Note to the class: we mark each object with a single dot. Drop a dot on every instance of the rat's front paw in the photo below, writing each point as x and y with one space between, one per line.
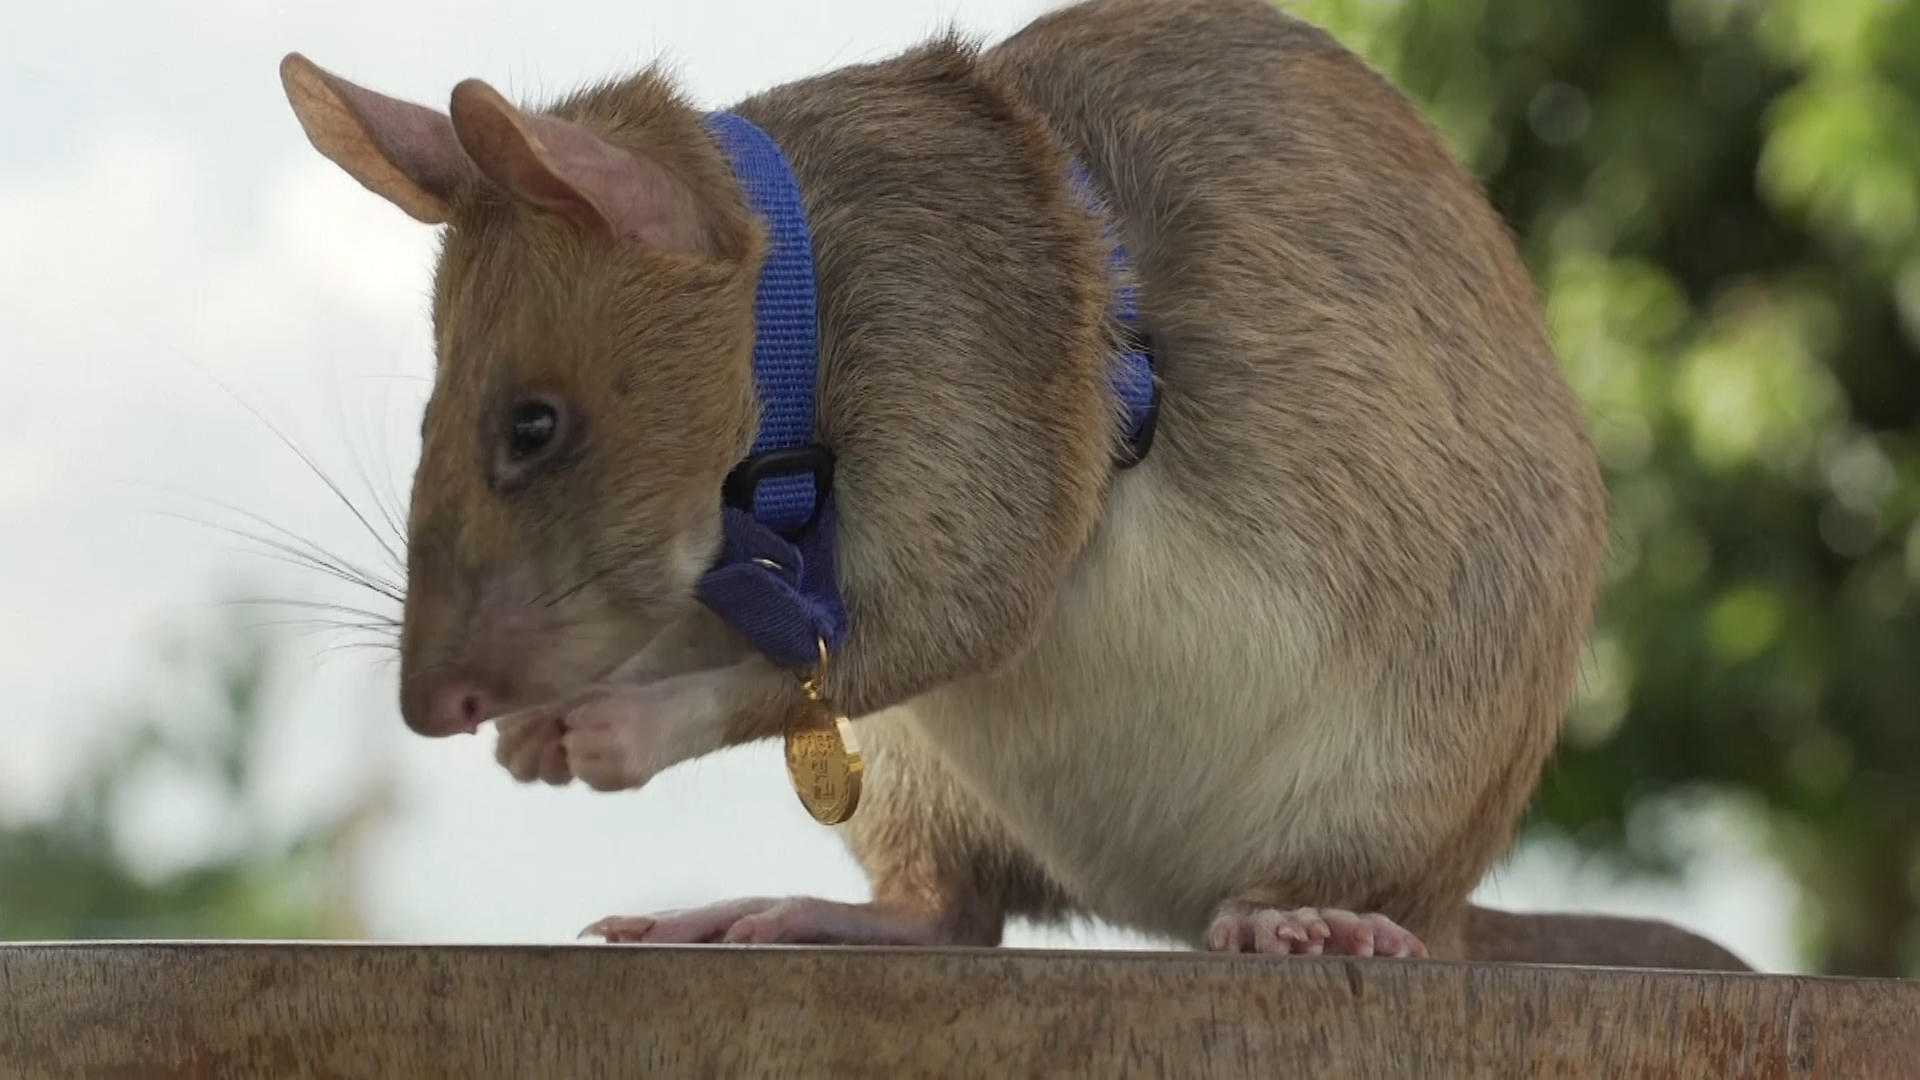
531 746
612 737
602 738
762 921
1243 926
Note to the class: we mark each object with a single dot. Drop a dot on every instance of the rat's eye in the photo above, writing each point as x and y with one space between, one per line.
533 427
536 435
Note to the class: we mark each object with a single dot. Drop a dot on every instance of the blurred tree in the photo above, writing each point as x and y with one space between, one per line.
1721 203
70 874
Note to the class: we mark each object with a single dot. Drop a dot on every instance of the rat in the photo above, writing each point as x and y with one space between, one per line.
1146 419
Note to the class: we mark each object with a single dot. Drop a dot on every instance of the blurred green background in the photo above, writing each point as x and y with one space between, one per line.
1720 200
73 874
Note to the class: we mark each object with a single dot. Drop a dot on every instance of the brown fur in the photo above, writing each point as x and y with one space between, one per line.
1314 651
523 302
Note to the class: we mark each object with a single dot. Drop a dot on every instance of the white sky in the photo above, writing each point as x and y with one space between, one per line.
163 220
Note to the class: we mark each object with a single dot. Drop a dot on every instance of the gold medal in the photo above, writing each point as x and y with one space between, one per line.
823 760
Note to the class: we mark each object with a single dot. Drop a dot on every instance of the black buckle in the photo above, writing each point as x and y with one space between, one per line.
1134 447
743 483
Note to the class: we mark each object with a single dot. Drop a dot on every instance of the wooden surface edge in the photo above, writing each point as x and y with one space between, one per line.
346 1008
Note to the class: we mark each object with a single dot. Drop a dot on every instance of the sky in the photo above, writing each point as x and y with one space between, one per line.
182 275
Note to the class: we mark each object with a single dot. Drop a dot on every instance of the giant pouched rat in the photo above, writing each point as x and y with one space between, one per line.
1260 646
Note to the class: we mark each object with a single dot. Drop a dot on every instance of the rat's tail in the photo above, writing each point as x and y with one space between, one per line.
1593 940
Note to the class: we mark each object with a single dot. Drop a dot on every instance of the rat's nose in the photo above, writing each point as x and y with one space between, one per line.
447 705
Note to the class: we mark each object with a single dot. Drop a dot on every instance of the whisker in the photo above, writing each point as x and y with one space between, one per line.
294 556
394 497
388 514
375 625
309 549
590 579
316 605
349 579
368 646
306 628
312 466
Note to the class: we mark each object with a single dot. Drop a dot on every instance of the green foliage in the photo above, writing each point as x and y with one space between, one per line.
1721 203
69 875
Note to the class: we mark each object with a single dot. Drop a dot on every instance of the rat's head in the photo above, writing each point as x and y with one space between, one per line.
593 330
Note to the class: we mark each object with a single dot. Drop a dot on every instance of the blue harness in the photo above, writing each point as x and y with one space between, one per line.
774 580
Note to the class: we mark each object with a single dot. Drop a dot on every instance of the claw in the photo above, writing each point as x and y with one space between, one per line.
1242 926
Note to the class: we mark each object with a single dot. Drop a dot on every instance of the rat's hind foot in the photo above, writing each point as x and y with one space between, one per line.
793 921
1244 926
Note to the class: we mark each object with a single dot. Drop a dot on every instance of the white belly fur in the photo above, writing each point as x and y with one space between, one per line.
1173 735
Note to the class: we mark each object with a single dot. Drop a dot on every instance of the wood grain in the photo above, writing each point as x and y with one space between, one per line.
285 1010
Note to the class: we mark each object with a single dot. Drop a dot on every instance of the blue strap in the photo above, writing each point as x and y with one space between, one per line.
774 580
777 593
1133 375
786 342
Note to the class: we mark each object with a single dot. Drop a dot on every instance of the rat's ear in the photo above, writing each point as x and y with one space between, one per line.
403 152
561 167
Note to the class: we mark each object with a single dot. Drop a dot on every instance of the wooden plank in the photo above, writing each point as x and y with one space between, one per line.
179 1009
